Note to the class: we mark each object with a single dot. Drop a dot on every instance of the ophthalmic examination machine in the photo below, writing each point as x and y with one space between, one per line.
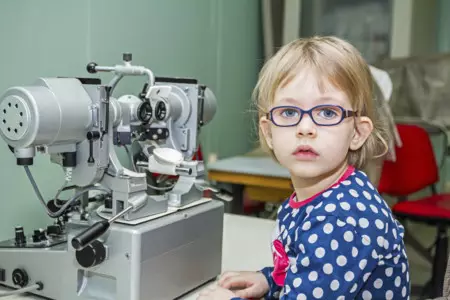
148 231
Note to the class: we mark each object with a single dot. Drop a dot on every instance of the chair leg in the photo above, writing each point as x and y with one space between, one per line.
418 247
440 262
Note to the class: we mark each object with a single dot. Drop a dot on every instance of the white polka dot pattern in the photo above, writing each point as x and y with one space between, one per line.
344 244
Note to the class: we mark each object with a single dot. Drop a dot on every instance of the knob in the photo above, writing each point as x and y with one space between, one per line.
91 67
54 229
20 236
39 235
36 236
127 56
91 255
20 277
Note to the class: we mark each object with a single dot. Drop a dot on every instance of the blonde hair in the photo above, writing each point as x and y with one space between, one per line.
334 61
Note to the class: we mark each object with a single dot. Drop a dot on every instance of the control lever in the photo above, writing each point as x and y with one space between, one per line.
91 137
92 233
221 194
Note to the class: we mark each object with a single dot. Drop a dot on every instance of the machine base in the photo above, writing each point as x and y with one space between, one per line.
161 259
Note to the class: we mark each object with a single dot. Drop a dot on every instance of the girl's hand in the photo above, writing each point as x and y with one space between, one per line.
216 293
246 285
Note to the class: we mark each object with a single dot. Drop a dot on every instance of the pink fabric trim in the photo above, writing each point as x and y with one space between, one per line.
297 204
280 263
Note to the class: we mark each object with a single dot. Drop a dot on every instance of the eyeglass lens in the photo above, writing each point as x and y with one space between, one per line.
322 115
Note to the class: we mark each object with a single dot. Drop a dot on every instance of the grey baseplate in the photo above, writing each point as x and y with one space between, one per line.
161 259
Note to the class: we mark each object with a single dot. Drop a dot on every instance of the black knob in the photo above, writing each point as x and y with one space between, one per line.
92 255
127 56
39 236
20 277
91 67
36 236
54 230
20 236
24 161
93 135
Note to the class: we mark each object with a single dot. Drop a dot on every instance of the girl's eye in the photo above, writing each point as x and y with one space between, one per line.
327 113
289 113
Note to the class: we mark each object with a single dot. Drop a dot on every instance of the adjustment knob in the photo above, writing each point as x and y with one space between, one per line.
39 236
91 67
20 236
20 277
91 255
53 229
127 56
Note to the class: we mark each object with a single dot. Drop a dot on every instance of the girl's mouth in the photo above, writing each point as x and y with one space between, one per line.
305 153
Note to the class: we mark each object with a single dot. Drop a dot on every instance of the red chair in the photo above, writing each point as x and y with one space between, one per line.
414 170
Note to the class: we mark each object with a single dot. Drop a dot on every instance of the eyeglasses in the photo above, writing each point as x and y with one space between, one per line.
321 115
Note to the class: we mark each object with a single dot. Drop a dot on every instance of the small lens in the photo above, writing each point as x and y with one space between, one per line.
327 115
285 116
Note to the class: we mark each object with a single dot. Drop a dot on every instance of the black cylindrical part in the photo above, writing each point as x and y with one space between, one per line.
91 255
20 236
93 135
69 159
89 235
25 161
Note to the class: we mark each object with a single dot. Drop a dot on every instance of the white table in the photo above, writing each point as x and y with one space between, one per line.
251 165
245 247
262 178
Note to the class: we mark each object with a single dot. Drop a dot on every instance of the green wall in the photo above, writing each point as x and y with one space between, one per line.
218 42
443 20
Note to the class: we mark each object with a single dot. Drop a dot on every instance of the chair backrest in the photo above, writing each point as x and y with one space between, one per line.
415 167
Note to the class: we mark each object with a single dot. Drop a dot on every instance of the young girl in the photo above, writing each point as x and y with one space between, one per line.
335 237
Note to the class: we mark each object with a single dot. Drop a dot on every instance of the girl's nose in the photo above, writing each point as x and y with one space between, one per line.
306 127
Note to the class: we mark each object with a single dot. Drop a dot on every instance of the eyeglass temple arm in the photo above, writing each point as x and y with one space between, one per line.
351 113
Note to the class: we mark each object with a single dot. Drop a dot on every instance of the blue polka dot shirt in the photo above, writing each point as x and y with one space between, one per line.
343 243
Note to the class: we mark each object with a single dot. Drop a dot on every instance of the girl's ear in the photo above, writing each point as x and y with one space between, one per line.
264 126
364 127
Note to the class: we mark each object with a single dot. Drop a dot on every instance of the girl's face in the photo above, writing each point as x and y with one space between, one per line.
308 149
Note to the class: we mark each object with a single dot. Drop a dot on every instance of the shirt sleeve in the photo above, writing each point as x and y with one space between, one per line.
274 289
333 261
